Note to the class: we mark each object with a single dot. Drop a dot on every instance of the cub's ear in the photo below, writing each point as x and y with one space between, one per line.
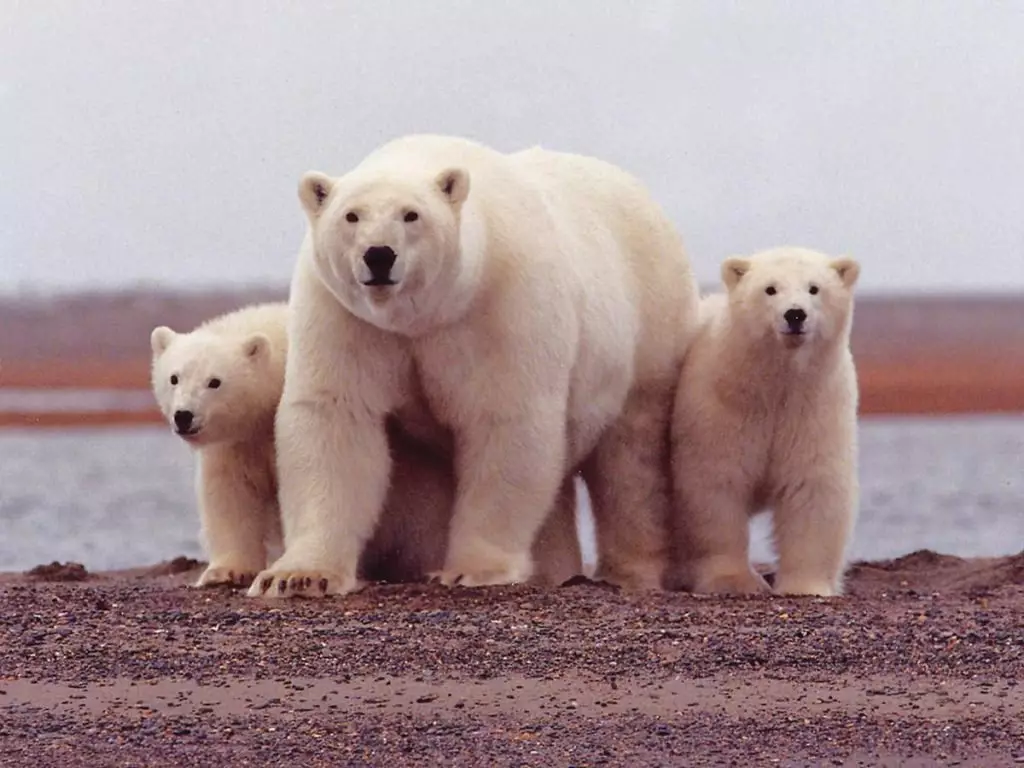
256 346
848 270
454 185
733 269
160 339
313 191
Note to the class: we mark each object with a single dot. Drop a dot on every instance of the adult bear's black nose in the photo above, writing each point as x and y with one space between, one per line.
379 259
795 319
183 420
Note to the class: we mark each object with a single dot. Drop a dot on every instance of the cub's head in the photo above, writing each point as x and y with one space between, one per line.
381 236
212 388
794 295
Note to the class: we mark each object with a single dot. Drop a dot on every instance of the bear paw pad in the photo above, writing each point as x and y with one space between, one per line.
278 584
460 578
226 575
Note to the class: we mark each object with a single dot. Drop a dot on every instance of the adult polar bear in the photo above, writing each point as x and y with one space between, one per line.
528 312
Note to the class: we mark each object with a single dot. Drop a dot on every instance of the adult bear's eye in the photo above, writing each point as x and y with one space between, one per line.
770 290
814 290
411 216
213 383
351 217
174 379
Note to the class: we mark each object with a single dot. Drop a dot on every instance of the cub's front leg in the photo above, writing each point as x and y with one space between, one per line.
812 525
231 512
814 515
715 467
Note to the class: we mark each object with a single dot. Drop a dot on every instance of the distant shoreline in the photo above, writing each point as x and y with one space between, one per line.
952 385
916 354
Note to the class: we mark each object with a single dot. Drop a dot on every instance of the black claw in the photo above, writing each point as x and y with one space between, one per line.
307 582
266 583
282 586
323 585
458 580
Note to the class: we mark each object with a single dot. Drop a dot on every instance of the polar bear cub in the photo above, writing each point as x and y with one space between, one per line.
766 417
527 312
218 386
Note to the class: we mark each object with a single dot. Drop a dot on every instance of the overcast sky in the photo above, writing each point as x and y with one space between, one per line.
163 142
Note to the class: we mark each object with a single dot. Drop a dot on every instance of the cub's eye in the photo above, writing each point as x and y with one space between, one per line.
814 290
351 217
770 290
411 216
213 383
174 379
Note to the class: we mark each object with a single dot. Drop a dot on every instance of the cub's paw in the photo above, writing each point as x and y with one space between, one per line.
226 575
289 583
741 583
793 585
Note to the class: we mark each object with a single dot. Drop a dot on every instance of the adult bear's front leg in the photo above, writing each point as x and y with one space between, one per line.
509 472
333 475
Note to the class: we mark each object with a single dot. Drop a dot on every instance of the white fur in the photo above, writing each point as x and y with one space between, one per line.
540 310
765 418
245 350
236 479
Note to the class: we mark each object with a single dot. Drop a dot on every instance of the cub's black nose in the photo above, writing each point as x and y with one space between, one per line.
795 319
379 259
183 420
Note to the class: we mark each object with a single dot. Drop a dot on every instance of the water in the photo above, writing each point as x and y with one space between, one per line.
124 497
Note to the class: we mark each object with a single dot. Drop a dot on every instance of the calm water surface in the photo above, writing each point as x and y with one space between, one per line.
123 497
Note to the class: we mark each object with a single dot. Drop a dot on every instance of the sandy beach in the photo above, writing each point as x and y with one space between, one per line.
921 664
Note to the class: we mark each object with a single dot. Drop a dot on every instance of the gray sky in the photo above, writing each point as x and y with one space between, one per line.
163 142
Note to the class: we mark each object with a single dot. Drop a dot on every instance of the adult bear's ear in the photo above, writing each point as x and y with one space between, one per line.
160 339
848 270
454 185
313 191
733 269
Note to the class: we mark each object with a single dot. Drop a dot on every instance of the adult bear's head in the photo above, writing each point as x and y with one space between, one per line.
387 243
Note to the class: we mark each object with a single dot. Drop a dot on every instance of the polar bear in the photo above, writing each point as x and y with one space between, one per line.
766 417
219 385
528 312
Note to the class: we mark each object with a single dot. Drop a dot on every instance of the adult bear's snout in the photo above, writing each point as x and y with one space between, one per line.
379 259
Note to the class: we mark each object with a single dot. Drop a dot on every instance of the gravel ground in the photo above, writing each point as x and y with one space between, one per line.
922 664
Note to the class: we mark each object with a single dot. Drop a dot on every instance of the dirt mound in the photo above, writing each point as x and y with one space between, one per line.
59 572
925 571
179 564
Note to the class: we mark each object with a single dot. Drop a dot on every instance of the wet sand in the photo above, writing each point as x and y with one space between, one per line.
921 664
